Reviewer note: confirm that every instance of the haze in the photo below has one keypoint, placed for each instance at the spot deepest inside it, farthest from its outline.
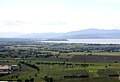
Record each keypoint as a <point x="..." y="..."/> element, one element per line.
<point x="38" y="16"/>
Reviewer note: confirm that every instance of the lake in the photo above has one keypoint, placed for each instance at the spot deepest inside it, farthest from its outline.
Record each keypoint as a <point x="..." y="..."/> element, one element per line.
<point x="89" y="41"/>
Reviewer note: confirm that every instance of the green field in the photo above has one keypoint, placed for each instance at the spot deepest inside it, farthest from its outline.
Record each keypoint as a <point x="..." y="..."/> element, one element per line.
<point x="61" y="62"/>
<point x="70" y="55"/>
<point x="57" y="70"/>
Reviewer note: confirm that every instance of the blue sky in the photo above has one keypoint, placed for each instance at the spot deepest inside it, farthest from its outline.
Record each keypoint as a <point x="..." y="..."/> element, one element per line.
<point x="37" y="16"/>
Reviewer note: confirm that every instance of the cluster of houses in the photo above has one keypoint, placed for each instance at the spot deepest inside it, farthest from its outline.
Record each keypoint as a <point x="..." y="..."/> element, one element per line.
<point x="6" y="69"/>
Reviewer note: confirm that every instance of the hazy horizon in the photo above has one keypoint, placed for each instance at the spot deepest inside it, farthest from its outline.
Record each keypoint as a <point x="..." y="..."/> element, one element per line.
<point x="60" y="32"/>
<point x="111" y="33"/>
<point x="59" y="16"/>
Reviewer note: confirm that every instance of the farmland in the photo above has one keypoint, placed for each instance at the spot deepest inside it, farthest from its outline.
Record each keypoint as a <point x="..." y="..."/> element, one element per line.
<point x="60" y="62"/>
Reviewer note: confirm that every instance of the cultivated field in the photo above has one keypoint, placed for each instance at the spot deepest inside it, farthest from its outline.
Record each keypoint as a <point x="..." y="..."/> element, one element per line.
<point x="61" y="62"/>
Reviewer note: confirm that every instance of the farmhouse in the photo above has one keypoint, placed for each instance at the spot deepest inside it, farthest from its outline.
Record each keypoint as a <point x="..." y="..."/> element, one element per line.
<point x="14" y="67"/>
<point x="5" y="69"/>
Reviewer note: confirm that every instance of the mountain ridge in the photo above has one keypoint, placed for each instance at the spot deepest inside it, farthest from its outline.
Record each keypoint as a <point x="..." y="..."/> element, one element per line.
<point x="81" y="34"/>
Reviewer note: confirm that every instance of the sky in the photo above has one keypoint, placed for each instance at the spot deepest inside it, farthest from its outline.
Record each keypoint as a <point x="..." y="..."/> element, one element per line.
<point x="59" y="16"/>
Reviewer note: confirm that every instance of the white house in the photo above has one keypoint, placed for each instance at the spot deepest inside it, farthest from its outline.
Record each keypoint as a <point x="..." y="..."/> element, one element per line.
<point x="5" y="69"/>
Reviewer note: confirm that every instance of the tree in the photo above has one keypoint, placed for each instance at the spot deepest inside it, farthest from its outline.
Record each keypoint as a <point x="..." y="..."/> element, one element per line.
<point x="51" y="79"/>
<point x="32" y="80"/>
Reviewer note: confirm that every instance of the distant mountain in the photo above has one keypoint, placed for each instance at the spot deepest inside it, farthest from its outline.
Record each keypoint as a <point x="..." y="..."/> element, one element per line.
<point x="81" y="34"/>
<point x="9" y="34"/>
<point x="94" y="34"/>
<point x="42" y="35"/>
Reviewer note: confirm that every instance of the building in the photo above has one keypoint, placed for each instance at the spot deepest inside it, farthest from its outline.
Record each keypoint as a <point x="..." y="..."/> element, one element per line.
<point x="14" y="67"/>
<point x="5" y="69"/>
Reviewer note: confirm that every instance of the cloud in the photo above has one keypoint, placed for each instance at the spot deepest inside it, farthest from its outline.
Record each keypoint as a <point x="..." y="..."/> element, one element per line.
<point x="13" y="23"/>
<point x="55" y="17"/>
<point x="108" y="1"/>
<point x="54" y="23"/>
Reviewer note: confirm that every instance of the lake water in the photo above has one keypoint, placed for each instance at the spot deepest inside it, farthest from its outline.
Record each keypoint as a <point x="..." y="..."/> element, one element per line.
<point x="90" y="41"/>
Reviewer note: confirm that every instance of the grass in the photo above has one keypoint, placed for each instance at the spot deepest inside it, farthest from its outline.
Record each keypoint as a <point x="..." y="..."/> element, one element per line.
<point x="57" y="72"/>
<point x="71" y="54"/>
